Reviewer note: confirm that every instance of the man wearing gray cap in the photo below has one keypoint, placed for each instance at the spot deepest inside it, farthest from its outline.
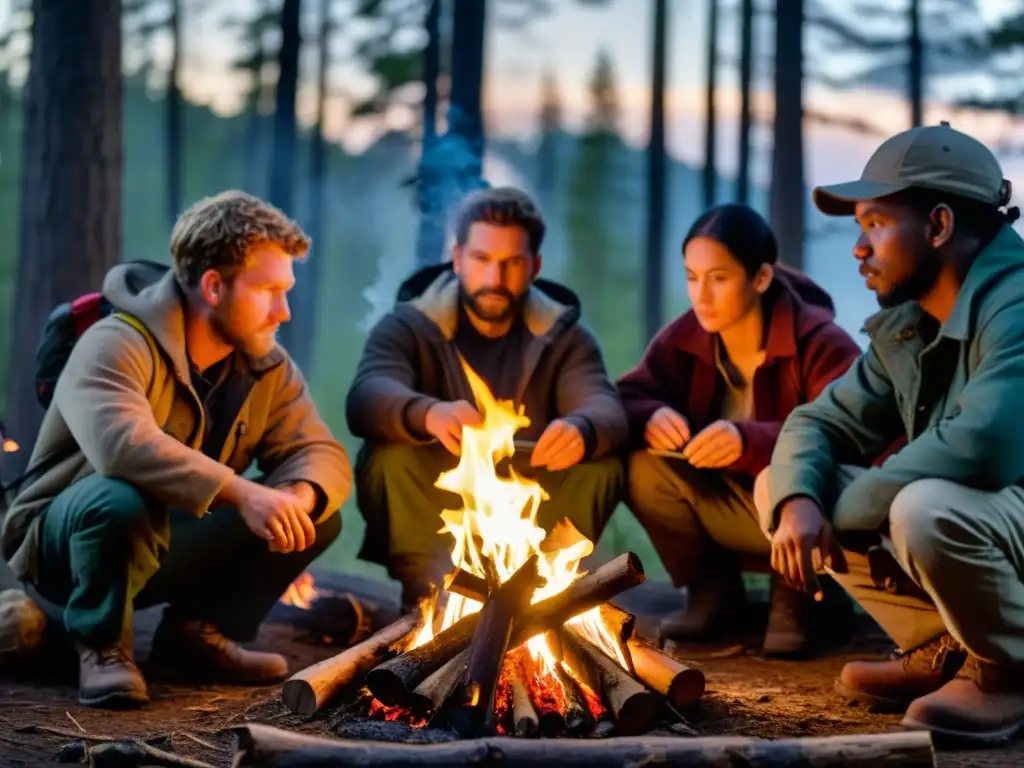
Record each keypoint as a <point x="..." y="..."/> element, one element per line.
<point x="932" y="540"/>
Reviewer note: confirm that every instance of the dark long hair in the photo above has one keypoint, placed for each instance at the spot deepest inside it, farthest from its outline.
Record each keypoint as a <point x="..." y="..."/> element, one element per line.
<point x="750" y="239"/>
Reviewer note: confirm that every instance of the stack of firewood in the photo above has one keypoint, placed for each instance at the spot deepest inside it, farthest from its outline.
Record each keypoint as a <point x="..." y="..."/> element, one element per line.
<point x="458" y="671"/>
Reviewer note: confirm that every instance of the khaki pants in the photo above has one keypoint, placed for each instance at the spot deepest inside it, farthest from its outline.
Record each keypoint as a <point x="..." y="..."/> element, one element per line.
<point x="694" y="517"/>
<point x="964" y="548"/>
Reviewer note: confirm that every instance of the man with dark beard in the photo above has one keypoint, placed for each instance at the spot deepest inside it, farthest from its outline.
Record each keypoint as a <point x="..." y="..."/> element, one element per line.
<point x="931" y="541"/>
<point x="134" y="494"/>
<point x="521" y="335"/>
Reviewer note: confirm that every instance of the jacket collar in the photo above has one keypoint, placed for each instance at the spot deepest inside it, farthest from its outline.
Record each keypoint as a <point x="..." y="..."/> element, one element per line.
<point x="440" y="303"/>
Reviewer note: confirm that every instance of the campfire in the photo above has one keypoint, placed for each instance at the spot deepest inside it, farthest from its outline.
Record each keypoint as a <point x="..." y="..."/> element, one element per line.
<point x="517" y="640"/>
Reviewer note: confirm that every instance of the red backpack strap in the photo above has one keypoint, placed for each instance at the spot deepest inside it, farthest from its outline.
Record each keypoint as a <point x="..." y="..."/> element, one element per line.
<point x="86" y="310"/>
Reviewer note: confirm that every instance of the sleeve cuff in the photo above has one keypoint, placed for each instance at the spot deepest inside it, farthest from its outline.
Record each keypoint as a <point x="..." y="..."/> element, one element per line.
<point x="414" y="416"/>
<point x="586" y="428"/>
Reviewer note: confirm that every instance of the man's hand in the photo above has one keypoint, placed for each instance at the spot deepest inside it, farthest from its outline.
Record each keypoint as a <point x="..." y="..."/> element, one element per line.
<point x="802" y="529"/>
<point x="716" y="446"/>
<point x="446" y="420"/>
<point x="308" y="499"/>
<point x="560" y="447"/>
<point x="277" y="516"/>
<point x="667" y="430"/>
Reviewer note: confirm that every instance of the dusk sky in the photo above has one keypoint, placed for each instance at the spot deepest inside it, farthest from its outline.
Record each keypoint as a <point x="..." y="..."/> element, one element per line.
<point x="567" y="41"/>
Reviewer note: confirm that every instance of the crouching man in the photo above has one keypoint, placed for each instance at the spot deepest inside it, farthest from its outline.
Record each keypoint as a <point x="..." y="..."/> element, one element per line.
<point x="134" y="494"/>
<point x="410" y="397"/>
<point x="933" y="538"/>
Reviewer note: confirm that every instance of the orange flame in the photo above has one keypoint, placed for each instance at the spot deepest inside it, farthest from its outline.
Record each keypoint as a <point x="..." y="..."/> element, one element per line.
<point x="498" y="521"/>
<point x="11" y="446"/>
<point x="301" y="593"/>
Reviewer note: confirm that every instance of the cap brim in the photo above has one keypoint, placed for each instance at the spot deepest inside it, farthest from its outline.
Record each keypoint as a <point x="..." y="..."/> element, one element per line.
<point x="841" y="199"/>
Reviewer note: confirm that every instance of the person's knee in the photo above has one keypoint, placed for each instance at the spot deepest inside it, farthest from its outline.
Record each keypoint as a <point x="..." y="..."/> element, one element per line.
<point x="762" y="492"/>
<point x="923" y="521"/>
<point x="114" y="505"/>
<point x="652" y="481"/>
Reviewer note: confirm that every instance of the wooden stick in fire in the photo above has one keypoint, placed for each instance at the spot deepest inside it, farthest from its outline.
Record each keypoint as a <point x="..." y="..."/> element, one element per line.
<point x="306" y="691"/>
<point x="487" y="650"/>
<point x="525" y="722"/>
<point x="632" y="705"/>
<point x="620" y="625"/>
<point x="392" y="681"/>
<point x="429" y="697"/>
<point x="680" y="684"/>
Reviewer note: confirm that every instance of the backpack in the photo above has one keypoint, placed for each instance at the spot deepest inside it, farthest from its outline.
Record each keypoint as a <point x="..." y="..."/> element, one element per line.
<point x="65" y="326"/>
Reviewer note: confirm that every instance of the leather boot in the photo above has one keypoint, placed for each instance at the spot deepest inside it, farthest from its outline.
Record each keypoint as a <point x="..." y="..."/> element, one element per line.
<point x="982" y="705"/>
<point x="200" y="651"/>
<point x="108" y="677"/>
<point x="714" y="605"/>
<point x="788" y="618"/>
<point x="890" y="686"/>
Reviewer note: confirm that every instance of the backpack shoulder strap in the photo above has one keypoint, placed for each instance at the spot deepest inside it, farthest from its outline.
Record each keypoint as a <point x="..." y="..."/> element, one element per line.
<point x="138" y="325"/>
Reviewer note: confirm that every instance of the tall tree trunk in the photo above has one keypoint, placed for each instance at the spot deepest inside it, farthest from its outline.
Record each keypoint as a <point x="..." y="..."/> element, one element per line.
<point x="174" y="118"/>
<point x="652" y="295"/>
<point x="282" y="158"/>
<point x="746" y="65"/>
<point x="255" y="170"/>
<point x="465" y="112"/>
<point x="430" y="239"/>
<point x="915" y="68"/>
<point x="710" y="128"/>
<point x="72" y="162"/>
<point x="787" y="204"/>
<point x="453" y="164"/>
<point x="306" y="293"/>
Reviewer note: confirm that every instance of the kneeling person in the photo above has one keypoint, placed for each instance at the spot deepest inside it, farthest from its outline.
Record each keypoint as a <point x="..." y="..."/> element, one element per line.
<point x="933" y="539"/>
<point x="714" y="386"/>
<point x="133" y="495"/>
<point x="411" y="398"/>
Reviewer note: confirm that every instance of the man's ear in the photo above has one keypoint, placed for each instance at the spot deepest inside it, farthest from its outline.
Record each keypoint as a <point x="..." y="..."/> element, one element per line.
<point x="538" y="262"/>
<point x="212" y="287"/>
<point x="456" y="254"/>
<point x="942" y="225"/>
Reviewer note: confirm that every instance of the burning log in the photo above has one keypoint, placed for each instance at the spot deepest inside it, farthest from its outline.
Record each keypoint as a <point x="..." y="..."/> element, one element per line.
<point x="462" y="582"/>
<point x="264" y="746"/>
<point x="392" y="681"/>
<point x="680" y="684"/>
<point x="429" y="697"/>
<point x="620" y="625"/>
<point x="632" y="705"/>
<point x="524" y="717"/>
<point x="488" y="647"/>
<point x="578" y="719"/>
<point x="306" y="691"/>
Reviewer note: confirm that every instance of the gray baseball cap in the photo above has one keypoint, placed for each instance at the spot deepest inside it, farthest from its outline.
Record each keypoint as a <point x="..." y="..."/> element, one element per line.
<point x="934" y="157"/>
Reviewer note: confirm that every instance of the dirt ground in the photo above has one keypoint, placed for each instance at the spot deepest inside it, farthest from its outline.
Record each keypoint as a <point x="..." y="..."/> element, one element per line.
<point x="746" y="695"/>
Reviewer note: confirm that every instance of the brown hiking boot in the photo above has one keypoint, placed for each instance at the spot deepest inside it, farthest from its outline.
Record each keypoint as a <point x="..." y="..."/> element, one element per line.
<point x="714" y="605"/>
<point x="201" y="652"/>
<point x="108" y="677"/>
<point x="982" y="705"/>
<point x="890" y="686"/>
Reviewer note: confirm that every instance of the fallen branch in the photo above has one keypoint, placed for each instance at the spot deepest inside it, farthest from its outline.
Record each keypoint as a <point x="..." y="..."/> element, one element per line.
<point x="263" y="746"/>
<point x="524" y="715"/>
<point x="429" y="697"/>
<point x="306" y="691"/>
<point x="125" y="754"/>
